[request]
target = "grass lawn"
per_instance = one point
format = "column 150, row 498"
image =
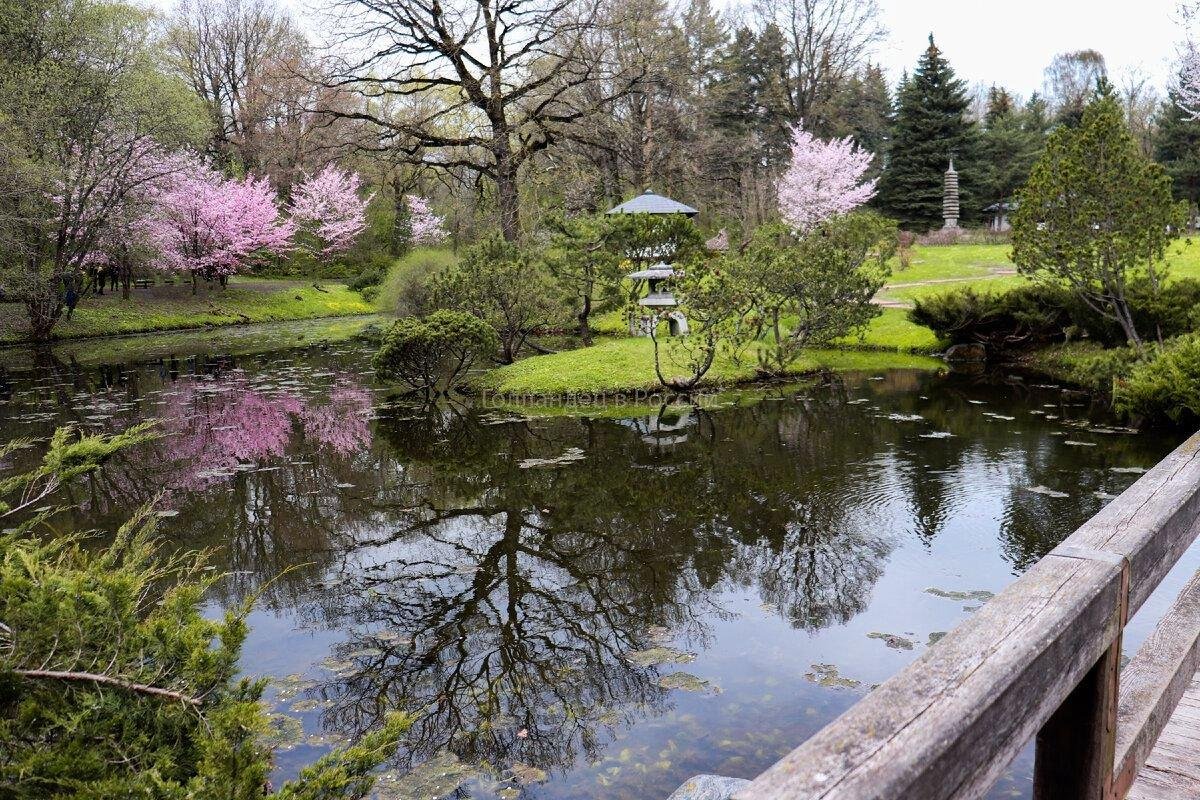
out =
column 613, row 366
column 161, row 308
column 945, row 262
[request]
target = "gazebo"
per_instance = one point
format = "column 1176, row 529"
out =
column 659, row 299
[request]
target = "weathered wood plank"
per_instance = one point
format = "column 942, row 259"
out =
column 1154, row 683
column 1172, row 769
column 948, row 725
column 1153, row 521
column 1074, row 754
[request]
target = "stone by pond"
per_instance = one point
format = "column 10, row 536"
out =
column 568, row 602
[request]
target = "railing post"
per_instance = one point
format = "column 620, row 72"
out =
column 1076, row 747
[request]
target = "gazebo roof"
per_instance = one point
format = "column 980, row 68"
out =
column 650, row 203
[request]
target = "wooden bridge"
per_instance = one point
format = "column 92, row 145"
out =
column 1042, row 659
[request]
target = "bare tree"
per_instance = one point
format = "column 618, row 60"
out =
column 1140, row 101
column 231, row 53
column 500, row 80
column 1070, row 80
column 828, row 42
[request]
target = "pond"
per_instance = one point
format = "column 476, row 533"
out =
column 600, row 603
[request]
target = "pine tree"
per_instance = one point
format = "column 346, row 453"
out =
column 931, row 126
column 1009, row 144
column 862, row 110
column 1177, row 148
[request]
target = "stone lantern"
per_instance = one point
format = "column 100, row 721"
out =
column 659, row 300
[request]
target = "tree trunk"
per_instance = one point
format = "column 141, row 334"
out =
column 585, row 329
column 507, row 196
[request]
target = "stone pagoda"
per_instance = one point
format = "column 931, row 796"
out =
column 659, row 301
column 950, row 198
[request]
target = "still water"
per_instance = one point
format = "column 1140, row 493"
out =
column 596, row 604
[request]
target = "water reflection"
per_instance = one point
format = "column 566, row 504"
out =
column 607, row 604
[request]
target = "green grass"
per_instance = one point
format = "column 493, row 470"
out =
column 163, row 308
column 614, row 366
column 965, row 261
column 892, row 330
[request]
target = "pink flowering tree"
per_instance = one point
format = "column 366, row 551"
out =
column 1187, row 86
column 329, row 210
column 212, row 227
column 427, row 227
column 823, row 180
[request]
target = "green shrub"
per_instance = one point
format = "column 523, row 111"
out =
column 432, row 354
column 1164, row 385
column 406, row 290
column 1025, row 316
column 1088, row 364
column 1040, row 313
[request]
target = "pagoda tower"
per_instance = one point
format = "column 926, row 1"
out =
column 950, row 198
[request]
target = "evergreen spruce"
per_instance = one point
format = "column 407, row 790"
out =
column 1009, row 144
column 931, row 125
column 1177, row 148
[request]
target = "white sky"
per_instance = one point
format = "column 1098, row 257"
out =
column 1003, row 42
column 1010, row 42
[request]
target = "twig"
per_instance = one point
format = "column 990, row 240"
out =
column 106, row 680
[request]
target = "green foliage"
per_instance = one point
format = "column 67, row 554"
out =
column 656, row 237
column 1177, row 148
column 1009, row 145
column 585, row 257
column 505, row 286
column 715, row 303
column 809, row 291
column 1096, row 215
column 1163, row 385
column 244, row 301
column 112, row 681
column 407, row 289
column 1025, row 316
column 1035, row 314
column 931, row 125
column 80, row 84
column 432, row 353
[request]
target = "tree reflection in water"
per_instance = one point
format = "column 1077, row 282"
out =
column 491, row 574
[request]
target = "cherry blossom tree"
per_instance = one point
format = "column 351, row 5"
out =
column 427, row 227
column 213, row 227
column 327, row 207
column 1188, row 82
column 822, row 180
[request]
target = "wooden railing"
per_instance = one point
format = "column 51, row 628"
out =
column 1042, row 658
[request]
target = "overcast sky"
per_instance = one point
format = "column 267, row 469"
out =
column 1010, row 42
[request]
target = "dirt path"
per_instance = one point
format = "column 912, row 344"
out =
column 881, row 299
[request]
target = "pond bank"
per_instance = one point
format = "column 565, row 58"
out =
column 227, row 340
column 174, row 307
column 625, row 366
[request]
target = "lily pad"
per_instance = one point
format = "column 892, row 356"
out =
column 570, row 456
column 439, row 776
column 525, row 774
column 892, row 640
column 659, row 655
column 1045, row 490
column 976, row 594
column 688, row 683
column 827, row 675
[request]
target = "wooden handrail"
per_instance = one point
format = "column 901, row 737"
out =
column 1040, row 659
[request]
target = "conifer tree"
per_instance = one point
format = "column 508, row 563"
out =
column 1177, row 148
column 931, row 126
column 1010, row 143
